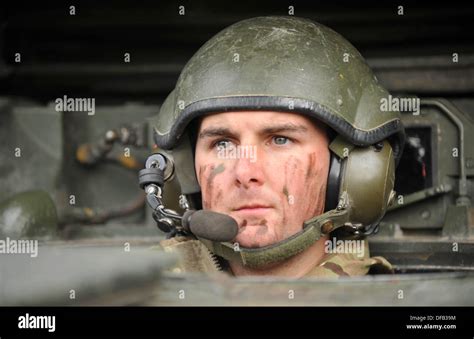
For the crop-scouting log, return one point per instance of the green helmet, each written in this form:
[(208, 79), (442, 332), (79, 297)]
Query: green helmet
[(28, 214), (291, 64)]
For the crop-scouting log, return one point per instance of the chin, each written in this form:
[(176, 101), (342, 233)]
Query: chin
[(249, 238)]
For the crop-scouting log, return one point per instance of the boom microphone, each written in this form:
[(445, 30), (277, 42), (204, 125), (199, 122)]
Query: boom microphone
[(210, 225)]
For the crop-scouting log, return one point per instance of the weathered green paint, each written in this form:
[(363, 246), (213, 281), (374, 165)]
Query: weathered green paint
[(368, 189), (284, 57)]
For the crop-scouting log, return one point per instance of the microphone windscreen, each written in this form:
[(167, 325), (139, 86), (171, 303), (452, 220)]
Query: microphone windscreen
[(211, 225)]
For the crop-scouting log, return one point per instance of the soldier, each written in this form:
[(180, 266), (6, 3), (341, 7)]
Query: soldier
[(276, 122)]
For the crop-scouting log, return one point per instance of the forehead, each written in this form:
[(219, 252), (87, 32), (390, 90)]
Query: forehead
[(255, 119)]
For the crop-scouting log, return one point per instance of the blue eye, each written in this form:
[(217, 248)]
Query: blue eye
[(280, 140), (221, 144)]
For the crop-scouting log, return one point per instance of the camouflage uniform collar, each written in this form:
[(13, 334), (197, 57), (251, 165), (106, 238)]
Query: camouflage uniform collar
[(340, 265), (351, 264), (195, 257)]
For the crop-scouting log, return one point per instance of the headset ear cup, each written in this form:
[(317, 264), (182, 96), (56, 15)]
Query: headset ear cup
[(333, 183)]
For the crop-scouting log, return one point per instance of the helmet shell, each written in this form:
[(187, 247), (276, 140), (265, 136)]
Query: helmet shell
[(285, 64)]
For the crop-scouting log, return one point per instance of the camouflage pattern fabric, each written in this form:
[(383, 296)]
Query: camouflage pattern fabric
[(350, 264), (195, 257)]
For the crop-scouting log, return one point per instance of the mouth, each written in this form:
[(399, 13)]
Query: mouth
[(251, 206), (252, 209)]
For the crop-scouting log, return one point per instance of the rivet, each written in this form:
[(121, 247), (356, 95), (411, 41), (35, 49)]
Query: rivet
[(327, 226), (378, 146)]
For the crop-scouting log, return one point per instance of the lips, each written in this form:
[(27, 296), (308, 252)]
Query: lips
[(252, 207), (255, 210)]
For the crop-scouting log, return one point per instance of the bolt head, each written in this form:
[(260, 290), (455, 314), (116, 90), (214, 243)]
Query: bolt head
[(151, 189), (327, 227)]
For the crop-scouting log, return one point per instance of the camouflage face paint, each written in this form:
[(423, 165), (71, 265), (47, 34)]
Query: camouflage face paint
[(312, 181), (291, 168), (208, 200), (244, 223), (262, 230), (285, 192)]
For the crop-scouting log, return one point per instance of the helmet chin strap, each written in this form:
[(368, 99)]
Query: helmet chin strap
[(313, 229)]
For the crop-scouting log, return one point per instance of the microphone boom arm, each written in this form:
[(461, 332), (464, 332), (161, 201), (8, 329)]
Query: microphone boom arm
[(152, 179)]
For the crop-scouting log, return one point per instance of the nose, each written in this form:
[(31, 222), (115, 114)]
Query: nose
[(248, 173)]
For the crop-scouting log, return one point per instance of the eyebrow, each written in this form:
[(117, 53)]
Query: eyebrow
[(287, 127), (215, 132), (269, 129)]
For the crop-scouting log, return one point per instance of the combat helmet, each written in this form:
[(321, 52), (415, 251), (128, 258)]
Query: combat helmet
[(291, 64)]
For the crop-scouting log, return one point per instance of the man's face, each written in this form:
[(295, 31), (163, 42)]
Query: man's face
[(268, 170)]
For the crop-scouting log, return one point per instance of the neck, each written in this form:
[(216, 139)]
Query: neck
[(296, 267)]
